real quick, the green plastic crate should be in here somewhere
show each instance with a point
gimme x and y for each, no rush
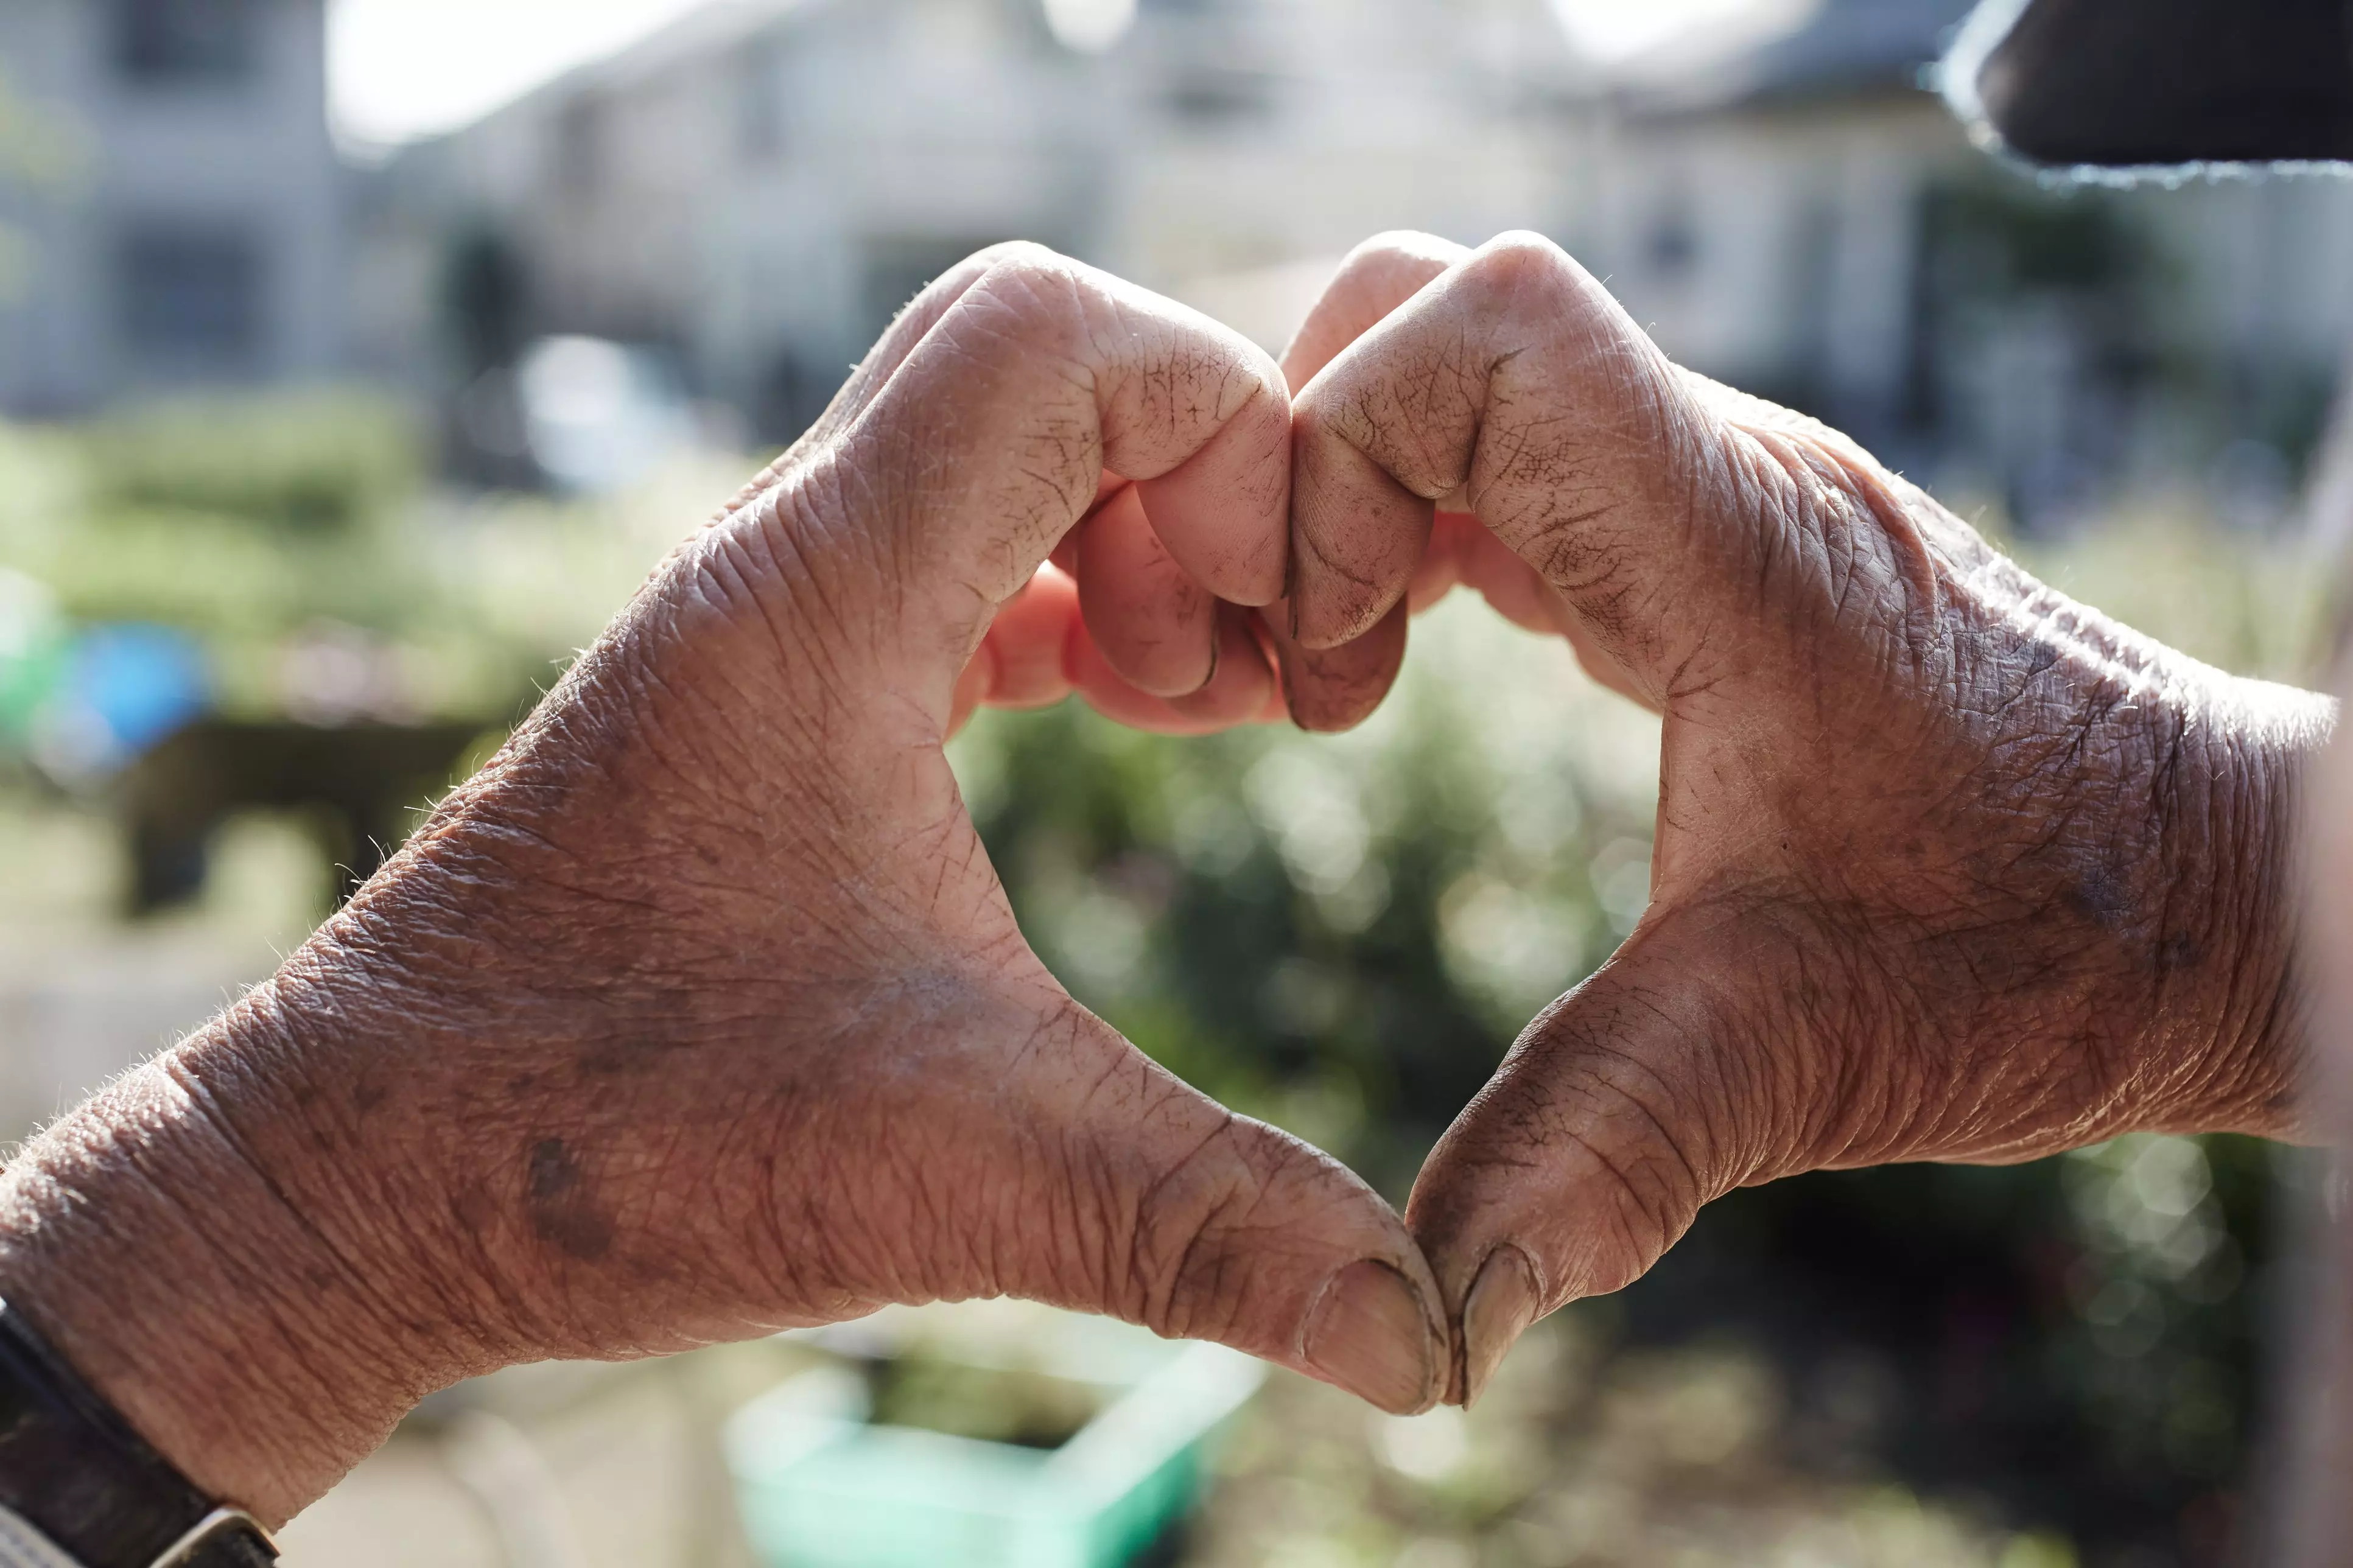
(821, 1487)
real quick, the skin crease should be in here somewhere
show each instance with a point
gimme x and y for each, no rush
(1948, 866)
(700, 1012)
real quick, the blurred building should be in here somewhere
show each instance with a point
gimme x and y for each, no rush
(1786, 207)
(1804, 218)
(741, 201)
(759, 188)
(173, 203)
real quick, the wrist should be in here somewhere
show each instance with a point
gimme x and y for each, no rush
(2230, 818)
(260, 1342)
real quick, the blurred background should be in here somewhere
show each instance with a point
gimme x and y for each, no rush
(357, 358)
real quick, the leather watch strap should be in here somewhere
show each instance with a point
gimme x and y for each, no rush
(74, 1471)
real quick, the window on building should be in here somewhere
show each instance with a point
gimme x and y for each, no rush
(1671, 248)
(174, 43)
(192, 296)
(581, 132)
(760, 101)
(1219, 96)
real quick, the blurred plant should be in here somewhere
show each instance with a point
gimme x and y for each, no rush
(314, 462)
(2161, 1346)
(294, 536)
(1340, 933)
(485, 301)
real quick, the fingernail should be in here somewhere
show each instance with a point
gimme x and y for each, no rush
(1371, 1335)
(1502, 1304)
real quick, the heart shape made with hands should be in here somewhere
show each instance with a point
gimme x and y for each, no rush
(700, 1011)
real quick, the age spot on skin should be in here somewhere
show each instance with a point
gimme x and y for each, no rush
(563, 1212)
(2103, 894)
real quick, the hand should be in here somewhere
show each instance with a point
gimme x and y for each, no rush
(1948, 866)
(700, 1012)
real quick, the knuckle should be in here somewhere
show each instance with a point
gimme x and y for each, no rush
(1017, 254)
(1524, 267)
(1037, 290)
(1396, 252)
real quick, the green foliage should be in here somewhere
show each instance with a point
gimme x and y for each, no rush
(271, 526)
(1340, 933)
(309, 462)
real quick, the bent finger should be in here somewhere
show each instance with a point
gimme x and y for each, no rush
(1374, 280)
(1237, 692)
(1328, 690)
(1516, 379)
(1156, 626)
(991, 439)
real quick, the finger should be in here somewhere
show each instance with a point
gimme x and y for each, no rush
(1030, 642)
(1237, 692)
(1374, 280)
(1023, 662)
(990, 441)
(1037, 651)
(1377, 277)
(1243, 683)
(1439, 573)
(1587, 1154)
(1154, 625)
(1518, 378)
(1077, 1172)
(1203, 1224)
(1327, 691)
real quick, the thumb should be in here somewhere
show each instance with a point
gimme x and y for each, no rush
(1147, 1200)
(1618, 1113)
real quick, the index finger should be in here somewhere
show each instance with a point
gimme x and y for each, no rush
(991, 438)
(1516, 378)
(1374, 280)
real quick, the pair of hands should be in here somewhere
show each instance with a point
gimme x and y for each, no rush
(700, 1012)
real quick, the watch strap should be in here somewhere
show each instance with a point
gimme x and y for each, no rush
(24, 1546)
(75, 1475)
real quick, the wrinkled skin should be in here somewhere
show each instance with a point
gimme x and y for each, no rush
(700, 1011)
(1946, 867)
